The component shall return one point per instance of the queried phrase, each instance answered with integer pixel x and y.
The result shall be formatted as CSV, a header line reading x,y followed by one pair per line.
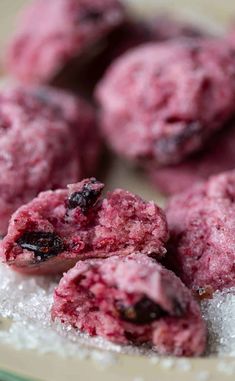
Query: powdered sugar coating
x,y
202,225
47,139
161,101
51,33
217,156
89,295
118,224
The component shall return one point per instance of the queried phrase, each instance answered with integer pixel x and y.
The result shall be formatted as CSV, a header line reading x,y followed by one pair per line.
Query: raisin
x,y
45,245
143,312
84,199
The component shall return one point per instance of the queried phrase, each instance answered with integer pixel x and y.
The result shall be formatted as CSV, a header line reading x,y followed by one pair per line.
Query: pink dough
x,y
131,300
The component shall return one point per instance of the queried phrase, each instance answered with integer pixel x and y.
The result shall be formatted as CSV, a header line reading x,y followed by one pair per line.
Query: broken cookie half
x,y
55,230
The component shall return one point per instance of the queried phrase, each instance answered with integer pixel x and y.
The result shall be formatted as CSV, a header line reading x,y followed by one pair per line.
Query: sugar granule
x,y
219,314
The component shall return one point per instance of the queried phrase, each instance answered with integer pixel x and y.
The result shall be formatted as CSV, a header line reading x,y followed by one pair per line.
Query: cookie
x,y
161,102
47,139
52,33
55,230
131,300
217,156
202,234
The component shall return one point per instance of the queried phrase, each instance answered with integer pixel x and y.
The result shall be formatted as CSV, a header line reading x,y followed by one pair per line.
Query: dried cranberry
x,y
44,244
84,199
143,312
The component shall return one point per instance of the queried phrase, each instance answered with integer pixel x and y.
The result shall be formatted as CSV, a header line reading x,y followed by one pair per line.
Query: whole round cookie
x,y
47,139
202,234
160,102
131,300
51,33
217,156
58,228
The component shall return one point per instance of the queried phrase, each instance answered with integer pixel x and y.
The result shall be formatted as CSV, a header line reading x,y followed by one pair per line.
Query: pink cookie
x,y
160,102
52,33
131,300
202,228
51,233
47,139
217,156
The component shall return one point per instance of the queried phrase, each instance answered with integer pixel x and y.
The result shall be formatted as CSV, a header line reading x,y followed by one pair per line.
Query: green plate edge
x,y
6,376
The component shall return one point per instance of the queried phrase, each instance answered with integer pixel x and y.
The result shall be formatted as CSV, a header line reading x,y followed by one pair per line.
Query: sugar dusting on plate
x,y
219,314
25,304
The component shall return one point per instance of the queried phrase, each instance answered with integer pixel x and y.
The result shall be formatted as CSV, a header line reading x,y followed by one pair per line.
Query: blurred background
x,y
214,15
